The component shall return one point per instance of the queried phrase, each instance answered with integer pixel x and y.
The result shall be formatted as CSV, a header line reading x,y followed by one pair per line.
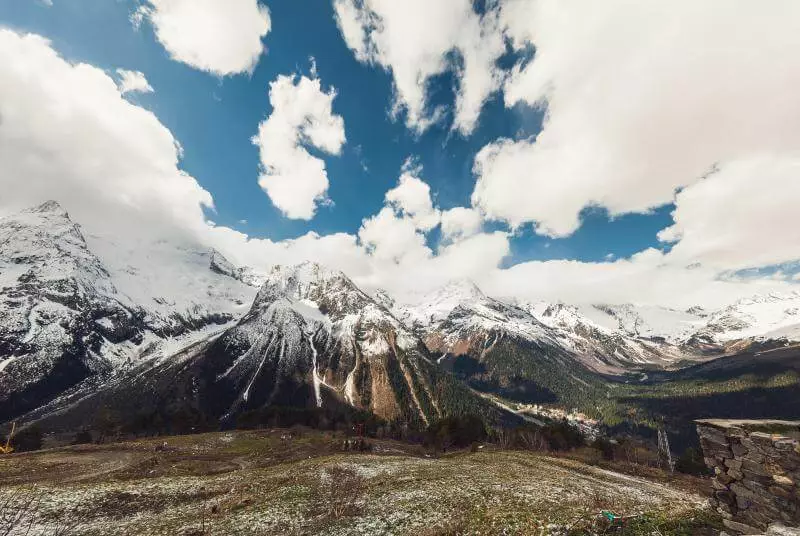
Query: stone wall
x,y
756,472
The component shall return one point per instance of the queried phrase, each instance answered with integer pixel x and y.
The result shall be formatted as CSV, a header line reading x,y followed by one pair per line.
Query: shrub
x,y
605,447
83,437
458,432
28,439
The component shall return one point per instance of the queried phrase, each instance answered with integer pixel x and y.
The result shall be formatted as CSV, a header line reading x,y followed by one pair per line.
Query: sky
x,y
573,150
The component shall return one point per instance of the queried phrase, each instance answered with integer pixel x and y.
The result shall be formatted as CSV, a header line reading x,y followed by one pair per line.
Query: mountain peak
x,y
48,207
462,288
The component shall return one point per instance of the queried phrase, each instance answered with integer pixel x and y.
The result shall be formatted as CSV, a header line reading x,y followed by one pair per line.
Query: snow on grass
x,y
486,493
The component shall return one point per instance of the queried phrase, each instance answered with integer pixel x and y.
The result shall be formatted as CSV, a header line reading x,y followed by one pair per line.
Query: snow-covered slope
x,y
72,307
603,337
760,317
311,339
459,317
312,335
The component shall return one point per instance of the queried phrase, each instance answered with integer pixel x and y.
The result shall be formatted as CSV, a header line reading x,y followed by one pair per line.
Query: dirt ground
x,y
280,482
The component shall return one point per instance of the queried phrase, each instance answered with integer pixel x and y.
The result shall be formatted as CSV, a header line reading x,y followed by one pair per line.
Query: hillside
x,y
277,482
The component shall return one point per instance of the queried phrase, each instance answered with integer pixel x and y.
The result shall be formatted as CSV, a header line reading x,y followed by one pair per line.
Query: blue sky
x,y
647,152
214,119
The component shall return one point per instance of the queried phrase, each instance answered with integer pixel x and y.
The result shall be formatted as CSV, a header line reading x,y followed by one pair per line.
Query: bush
x,y
605,447
562,436
27,439
82,438
455,432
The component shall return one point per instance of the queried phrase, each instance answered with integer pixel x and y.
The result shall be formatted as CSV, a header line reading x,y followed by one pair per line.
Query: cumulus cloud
x,y
302,115
389,237
460,222
222,38
741,216
412,197
646,278
414,39
642,99
133,82
68,134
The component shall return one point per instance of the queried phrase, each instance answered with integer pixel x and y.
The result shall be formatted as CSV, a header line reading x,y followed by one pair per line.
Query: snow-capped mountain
x,y
74,306
311,339
89,319
602,337
459,318
310,326
773,316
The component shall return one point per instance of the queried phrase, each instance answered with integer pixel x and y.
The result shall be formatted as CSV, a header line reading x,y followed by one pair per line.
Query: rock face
x,y
756,472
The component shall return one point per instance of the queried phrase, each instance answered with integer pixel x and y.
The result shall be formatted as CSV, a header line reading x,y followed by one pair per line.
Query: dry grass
x,y
255,483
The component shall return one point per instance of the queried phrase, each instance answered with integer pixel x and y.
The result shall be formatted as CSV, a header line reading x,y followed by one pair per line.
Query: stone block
x,y
736,475
733,464
740,528
738,449
750,466
783,480
712,434
785,444
761,438
719,486
778,529
725,499
780,492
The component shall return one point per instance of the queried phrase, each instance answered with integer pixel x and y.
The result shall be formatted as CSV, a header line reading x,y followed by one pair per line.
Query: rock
x,y
783,481
785,445
761,439
733,464
738,449
740,528
718,485
736,475
780,492
714,435
778,529
751,466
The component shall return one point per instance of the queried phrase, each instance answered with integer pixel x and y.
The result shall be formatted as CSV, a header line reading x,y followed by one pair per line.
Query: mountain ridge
x,y
79,309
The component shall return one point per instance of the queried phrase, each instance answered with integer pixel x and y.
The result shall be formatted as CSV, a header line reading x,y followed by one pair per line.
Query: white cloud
x,y
133,82
741,216
642,98
301,115
412,40
647,278
392,238
460,222
68,134
412,197
220,37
